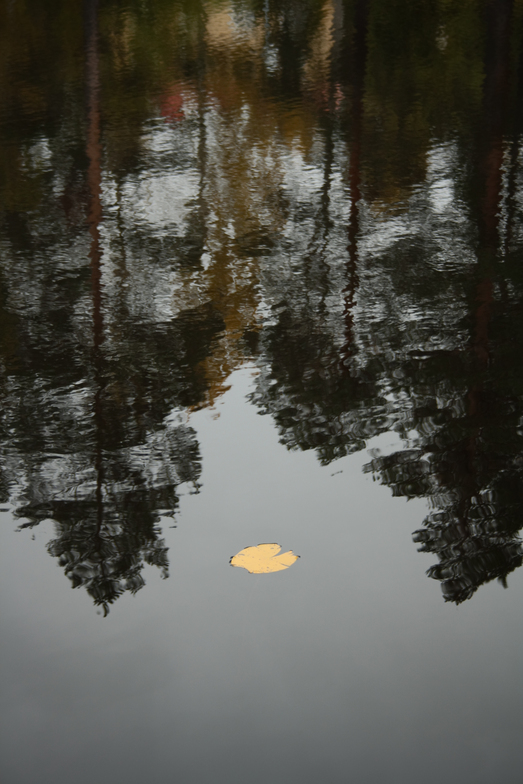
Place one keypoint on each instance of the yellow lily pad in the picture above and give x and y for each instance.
(263, 559)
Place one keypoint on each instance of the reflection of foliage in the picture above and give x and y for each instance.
(424, 67)
(471, 469)
(107, 531)
(106, 497)
(427, 374)
(314, 398)
(107, 559)
(311, 143)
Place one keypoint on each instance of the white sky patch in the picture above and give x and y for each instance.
(161, 200)
(40, 154)
(385, 234)
(385, 444)
(441, 161)
(441, 195)
(302, 179)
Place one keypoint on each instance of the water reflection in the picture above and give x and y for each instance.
(333, 189)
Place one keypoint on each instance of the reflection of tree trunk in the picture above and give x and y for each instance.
(329, 84)
(202, 138)
(517, 129)
(490, 168)
(325, 221)
(316, 275)
(359, 59)
(94, 154)
(490, 164)
(469, 545)
(94, 178)
(495, 92)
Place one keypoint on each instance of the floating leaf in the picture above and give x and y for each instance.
(264, 558)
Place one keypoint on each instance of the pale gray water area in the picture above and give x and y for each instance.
(261, 284)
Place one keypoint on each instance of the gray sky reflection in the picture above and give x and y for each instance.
(348, 667)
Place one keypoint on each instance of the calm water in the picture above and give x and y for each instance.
(261, 272)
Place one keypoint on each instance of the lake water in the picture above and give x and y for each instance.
(261, 282)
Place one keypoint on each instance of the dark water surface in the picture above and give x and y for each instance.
(310, 210)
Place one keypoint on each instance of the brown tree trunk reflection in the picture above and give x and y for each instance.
(358, 55)
(495, 91)
(498, 17)
(94, 179)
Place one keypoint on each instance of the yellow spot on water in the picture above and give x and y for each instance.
(264, 558)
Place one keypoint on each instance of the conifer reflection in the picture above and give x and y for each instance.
(93, 394)
(469, 454)
(330, 187)
(425, 348)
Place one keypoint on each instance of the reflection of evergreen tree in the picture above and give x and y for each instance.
(316, 402)
(383, 308)
(469, 459)
(89, 437)
(107, 530)
(319, 395)
(450, 373)
(106, 479)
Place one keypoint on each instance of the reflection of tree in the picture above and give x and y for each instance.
(106, 531)
(468, 461)
(470, 455)
(312, 386)
(261, 179)
(93, 436)
(412, 367)
(107, 495)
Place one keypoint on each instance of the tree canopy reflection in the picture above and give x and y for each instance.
(331, 188)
